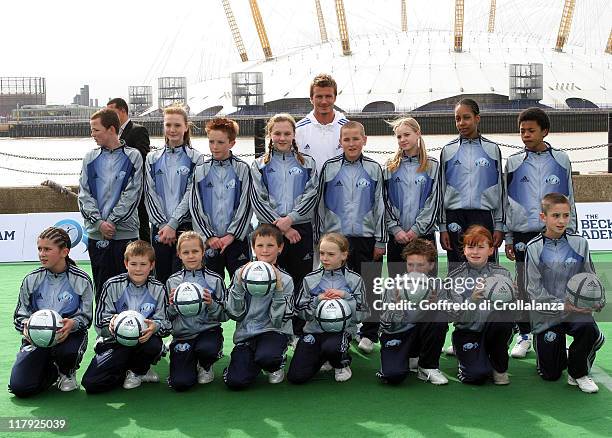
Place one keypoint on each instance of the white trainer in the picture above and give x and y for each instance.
(343, 374)
(326, 367)
(150, 377)
(585, 383)
(366, 345)
(204, 376)
(277, 376)
(449, 351)
(433, 375)
(501, 378)
(132, 380)
(67, 383)
(413, 364)
(522, 346)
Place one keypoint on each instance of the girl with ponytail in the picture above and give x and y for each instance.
(168, 180)
(57, 285)
(285, 184)
(411, 182)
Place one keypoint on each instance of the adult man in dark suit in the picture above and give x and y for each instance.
(135, 136)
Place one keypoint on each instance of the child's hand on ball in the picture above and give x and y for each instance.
(148, 332)
(26, 334)
(65, 330)
(111, 324)
(207, 297)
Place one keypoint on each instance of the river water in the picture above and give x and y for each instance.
(77, 147)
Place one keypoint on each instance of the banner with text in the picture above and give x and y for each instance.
(18, 232)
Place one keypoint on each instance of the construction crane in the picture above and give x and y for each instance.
(566, 24)
(459, 25)
(342, 27)
(321, 21)
(235, 32)
(609, 46)
(404, 18)
(492, 17)
(261, 30)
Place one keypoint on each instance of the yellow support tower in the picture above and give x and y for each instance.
(492, 17)
(261, 30)
(404, 18)
(566, 24)
(459, 25)
(322, 28)
(342, 27)
(235, 32)
(609, 46)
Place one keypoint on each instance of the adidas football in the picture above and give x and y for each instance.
(188, 298)
(499, 288)
(129, 326)
(43, 326)
(416, 287)
(259, 278)
(584, 290)
(333, 315)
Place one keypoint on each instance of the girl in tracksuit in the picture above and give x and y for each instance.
(168, 182)
(219, 204)
(263, 323)
(481, 336)
(471, 183)
(411, 181)
(57, 285)
(316, 349)
(197, 340)
(284, 193)
(351, 202)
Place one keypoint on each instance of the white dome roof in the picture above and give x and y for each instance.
(411, 69)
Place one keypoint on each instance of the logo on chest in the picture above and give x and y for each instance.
(363, 183)
(482, 162)
(294, 171)
(570, 261)
(65, 297)
(552, 180)
(147, 308)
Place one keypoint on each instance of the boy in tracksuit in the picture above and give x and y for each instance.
(115, 364)
(351, 202)
(529, 175)
(109, 192)
(263, 323)
(197, 341)
(220, 206)
(552, 258)
(412, 340)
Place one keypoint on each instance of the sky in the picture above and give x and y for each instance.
(112, 44)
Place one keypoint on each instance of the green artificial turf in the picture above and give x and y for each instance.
(362, 406)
